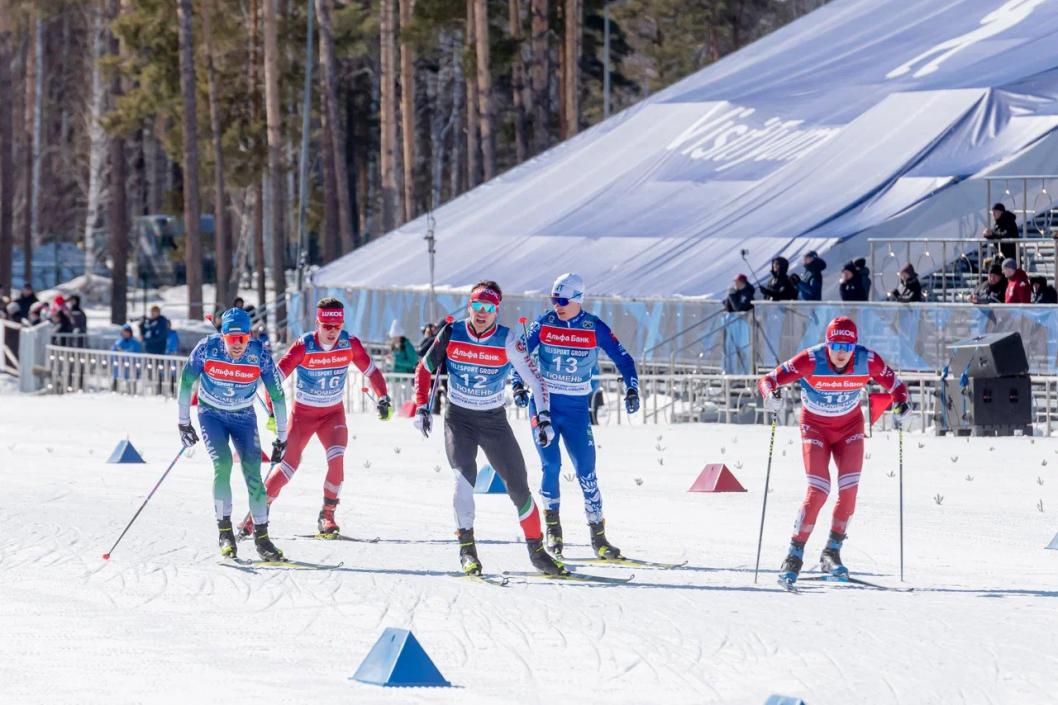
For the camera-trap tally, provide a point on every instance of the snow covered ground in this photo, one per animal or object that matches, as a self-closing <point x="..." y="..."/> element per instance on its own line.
<point x="163" y="622"/>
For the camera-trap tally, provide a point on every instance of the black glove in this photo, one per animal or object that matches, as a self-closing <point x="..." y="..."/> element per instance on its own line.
<point x="521" y="395"/>
<point x="187" y="435"/>
<point x="278" y="448"/>
<point x="385" y="408"/>
<point x="632" y="400"/>
<point x="542" y="429"/>
<point x="424" y="420"/>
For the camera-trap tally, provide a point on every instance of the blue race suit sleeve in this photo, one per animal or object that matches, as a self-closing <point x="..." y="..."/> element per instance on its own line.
<point x="609" y="343"/>
<point x="531" y="344"/>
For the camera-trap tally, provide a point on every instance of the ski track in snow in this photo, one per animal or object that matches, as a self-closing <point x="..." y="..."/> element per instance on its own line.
<point x="163" y="621"/>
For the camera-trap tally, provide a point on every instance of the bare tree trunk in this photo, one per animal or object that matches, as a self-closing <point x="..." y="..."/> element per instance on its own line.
<point x="117" y="211"/>
<point x="336" y="143"/>
<point x="274" y="118"/>
<point x="221" y="230"/>
<point x="353" y="158"/>
<point x="7" y="138"/>
<point x="521" y="138"/>
<point x="192" y="237"/>
<point x="540" y="73"/>
<point x="473" y="123"/>
<point x="407" y="106"/>
<point x="29" y="221"/>
<point x="258" y="188"/>
<point x="388" y="116"/>
<point x="455" y="119"/>
<point x="571" y="69"/>
<point x="484" y="66"/>
<point x="330" y="244"/>
<point x="97" y="137"/>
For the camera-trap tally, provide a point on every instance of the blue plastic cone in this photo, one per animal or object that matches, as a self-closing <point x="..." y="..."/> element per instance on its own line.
<point x="125" y="453"/>
<point x="1053" y="545"/>
<point x="783" y="700"/>
<point x="397" y="659"/>
<point x="489" y="482"/>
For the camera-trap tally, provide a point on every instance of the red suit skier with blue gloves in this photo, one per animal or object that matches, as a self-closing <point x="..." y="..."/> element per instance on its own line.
<point x="831" y="376"/>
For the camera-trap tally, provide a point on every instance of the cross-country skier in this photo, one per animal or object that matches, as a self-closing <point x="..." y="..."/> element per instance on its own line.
<point x="321" y="359"/>
<point x="569" y="340"/>
<point x="831" y="377"/>
<point x="478" y="354"/>
<point x="228" y="368"/>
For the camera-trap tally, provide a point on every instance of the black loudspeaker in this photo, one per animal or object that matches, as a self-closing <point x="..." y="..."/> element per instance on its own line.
<point x="992" y="355"/>
<point x="986" y="407"/>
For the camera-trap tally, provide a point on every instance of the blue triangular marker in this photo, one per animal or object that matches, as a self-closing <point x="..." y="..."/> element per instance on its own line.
<point x="125" y="453"/>
<point x="397" y="659"/>
<point x="1053" y="545"/>
<point x="489" y="482"/>
<point x="783" y="700"/>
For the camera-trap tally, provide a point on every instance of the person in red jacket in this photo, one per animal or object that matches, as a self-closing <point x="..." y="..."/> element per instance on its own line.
<point x="321" y="361"/>
<point x="831" y="376"/>
<point x="1019" y="290"/>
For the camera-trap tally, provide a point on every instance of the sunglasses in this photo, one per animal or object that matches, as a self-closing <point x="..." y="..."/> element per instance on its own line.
<point x="560" y="300"/>
<point x="331" y="326"/>
<point x="483" y="306"/>
<point x="842" y="347"/>
<point x="236" y="338"/>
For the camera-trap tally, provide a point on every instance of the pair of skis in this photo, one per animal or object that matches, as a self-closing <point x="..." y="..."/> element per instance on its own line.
<point x="842" y="580"/>
<point x="503" y="579"/>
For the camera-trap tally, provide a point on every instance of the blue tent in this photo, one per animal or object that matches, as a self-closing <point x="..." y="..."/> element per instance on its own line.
<point x="863" y="118"/>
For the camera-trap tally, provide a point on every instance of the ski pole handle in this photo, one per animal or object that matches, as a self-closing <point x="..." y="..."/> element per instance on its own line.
<point x="106" y="556"/>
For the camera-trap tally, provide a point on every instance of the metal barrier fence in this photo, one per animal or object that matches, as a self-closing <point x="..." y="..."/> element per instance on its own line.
<point x="9" y="333"/>
<point x="696" y="397"/>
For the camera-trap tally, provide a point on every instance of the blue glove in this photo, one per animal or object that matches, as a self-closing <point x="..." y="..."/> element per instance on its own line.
<point x="521" y="395"/>
<point x="632" y="400"/>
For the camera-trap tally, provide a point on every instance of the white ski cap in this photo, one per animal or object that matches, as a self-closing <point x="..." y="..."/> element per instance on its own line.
<point x="569" y="286"/>
<point x="396" y="330"/>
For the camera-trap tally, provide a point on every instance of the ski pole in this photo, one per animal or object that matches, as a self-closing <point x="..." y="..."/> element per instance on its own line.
<point x="106" y="556"/>
<point x="370" y="396"/>
<point x="764" y="504"/>
<point x="435" y="385"/>
<point x="900" y="455"/>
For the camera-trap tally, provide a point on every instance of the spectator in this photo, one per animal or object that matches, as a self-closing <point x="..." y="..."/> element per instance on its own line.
<point x="261" y="333"/>
<point x="910" y="289"/>
<point x="779" y="287"/>
<point x="1042" y="292"/>
<point x="172" y="343"/>
<point x="993" y="289"/>
<point x="429" y="332"/>
<point x="36" y="313"/>
<point x="26" y="300"/>
<point x="5" y="301"/>
<point x="740" y="295"/>
<point x="1018" y="291"/>
<point x="1005" y="228"/>
<point x="851" y="287"/>
<point x="811" y="287"/>
<point x="79" y="321"/>
<point x="405" y="357"/>
<point x="238" y="303"/>
<point x="14" y="312"/>
<point x="865" y="275"/>
<point x="122" y="363"/>
<point x="155" y="331"/>
<point x="63" y="332"/>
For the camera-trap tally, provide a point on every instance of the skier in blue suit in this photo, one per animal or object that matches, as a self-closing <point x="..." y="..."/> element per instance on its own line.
<point x="568" y="340"/>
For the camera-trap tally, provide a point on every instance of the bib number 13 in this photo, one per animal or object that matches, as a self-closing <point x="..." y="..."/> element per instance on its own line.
<point x="566" y="364"/>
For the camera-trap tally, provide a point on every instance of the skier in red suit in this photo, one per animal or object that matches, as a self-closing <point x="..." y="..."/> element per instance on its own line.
<point x="831" y="376"/>
<point x="321" y="362"/>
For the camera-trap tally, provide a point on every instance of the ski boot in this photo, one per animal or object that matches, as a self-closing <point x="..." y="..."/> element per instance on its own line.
<point x="468" y="552"/>
<point x="246" y="527"/>
<point x="554" y="532"/>
<point x="325" y="525"/>
<point x="791" y="567"/>
<point x="830" y="559"/>
<point x="265" y="548"/>
<point x="599" y="545"/>
<point x="227" y="538"/>
<point x="542" y="560"/>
